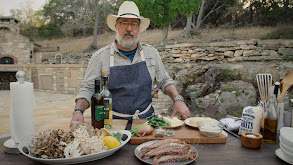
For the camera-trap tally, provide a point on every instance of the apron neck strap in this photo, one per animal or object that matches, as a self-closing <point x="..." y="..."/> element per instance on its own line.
<point x="112" y="55"/>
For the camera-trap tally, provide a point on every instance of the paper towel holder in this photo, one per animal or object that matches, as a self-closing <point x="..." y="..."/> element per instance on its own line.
<point x="10" y="146"/>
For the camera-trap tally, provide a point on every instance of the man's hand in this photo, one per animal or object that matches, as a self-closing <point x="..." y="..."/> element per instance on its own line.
<point x="81" y="104"/>
<point x="77" y="116"/>
<point x="181" y="108"/>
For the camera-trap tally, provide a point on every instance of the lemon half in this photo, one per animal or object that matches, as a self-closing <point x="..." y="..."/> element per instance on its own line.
<point x="111" y="142"/>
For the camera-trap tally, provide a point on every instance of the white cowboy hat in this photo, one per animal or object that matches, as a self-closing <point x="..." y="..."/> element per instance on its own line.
<point x="128" y="9"/>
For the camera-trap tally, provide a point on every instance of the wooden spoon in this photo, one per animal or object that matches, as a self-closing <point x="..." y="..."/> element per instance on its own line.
<point x="286" y="84"/>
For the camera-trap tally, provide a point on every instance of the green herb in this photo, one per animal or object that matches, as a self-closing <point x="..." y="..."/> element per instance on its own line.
<point x="169" y="133"/>
<point x="157" y="121"/>
<point x="118" y="136"/>
<point x="135" y="129"/>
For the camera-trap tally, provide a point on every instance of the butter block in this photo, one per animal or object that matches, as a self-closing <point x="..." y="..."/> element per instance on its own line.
<point x="174" y="122"/>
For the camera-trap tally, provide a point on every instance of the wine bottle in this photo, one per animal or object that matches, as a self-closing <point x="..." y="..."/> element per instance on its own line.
<point x="107" y="102"/>
<point x="97" y="107"/>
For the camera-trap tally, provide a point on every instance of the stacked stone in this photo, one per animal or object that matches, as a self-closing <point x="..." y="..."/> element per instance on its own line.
<point x="15" y="46"/>
<point x="244" y="50"/>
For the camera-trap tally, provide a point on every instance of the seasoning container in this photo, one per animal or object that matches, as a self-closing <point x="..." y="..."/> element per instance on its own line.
<point x="251" y="140"/>
<point x="169" y="132"/>
<point x="159" y="132"/>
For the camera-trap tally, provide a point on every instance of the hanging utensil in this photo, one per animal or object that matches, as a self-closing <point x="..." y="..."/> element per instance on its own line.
<point x="212" y="108"/>
<point x="287" y="82"/>
<point x="263" y="83"/>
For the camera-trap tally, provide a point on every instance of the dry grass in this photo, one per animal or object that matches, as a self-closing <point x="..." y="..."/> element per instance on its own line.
<point x="154" y="37"/>
<point x="244" y="33"/>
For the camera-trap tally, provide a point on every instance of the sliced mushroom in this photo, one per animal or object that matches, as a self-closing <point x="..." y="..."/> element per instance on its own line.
<point x="104" y="132"/>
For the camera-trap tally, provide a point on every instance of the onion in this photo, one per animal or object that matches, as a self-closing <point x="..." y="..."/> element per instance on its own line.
<point x="145" y="130"/>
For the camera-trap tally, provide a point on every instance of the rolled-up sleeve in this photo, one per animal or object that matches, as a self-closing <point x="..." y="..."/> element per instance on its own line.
<point x="93" y="73"/>
<point x="161" y="75"/>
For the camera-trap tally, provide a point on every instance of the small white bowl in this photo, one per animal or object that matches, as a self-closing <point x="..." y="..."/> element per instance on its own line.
<point x="209" y="129"/>
<point x="286" y="135"/>
<point x="283" y="146"/>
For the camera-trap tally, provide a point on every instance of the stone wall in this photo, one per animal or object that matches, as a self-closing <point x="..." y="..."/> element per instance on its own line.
<point x="57" y="78"/>
<point x="15" y="46"/>
<point x="244" y="50"/>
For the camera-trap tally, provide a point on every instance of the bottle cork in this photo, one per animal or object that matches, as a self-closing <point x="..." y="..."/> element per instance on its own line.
<point x="105" y="73"/>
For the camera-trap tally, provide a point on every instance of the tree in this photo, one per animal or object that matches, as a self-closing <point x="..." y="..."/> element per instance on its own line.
<point x="102" y="9"/>
<point x="163" y="12"/>
<point x="209" y="7"/>
<point x="95" y="35"/>
<point x="29" y="20"/>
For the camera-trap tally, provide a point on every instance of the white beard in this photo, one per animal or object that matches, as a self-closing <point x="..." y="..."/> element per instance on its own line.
<point x="126" y="43"/>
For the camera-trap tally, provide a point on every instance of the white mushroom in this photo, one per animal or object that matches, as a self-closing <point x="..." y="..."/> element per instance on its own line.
<point x="104" y="132"/>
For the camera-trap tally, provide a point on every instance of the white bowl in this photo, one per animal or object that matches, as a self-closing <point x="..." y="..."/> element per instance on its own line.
<point x="287" y="155"/>
<point x="210" y="129"/>
<point x="283" y="146"/>
<point x="286" y="135"/>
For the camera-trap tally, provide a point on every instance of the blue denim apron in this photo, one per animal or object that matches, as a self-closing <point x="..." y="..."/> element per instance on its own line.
<point x="131" y="88"/>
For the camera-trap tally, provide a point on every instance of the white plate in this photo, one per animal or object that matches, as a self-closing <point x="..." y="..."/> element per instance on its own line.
<point x="280" y="154"/>
<point x="24" y="148"/>
<point x="171" y="127"/>
<point x="138" y="153"/>
<point x="187" y="121"/>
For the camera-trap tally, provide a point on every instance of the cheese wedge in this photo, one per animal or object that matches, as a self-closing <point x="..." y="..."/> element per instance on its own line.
<point x="174" y="122"/>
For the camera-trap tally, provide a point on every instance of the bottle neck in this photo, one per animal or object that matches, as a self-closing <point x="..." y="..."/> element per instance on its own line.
<point x="105" y="83"/>
<point x="97" y="88"/>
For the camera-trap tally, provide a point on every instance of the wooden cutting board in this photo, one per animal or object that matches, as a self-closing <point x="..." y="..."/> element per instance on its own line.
<point x="188" y="134"/>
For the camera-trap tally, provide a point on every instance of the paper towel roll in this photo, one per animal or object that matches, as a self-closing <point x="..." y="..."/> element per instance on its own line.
<point x="21" y="112"/>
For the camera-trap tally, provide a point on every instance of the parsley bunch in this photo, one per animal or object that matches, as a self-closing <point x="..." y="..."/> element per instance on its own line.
<point x="157" y="121"/>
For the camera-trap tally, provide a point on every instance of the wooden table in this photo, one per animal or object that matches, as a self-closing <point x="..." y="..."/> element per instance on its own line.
<point x="231" y="153"/>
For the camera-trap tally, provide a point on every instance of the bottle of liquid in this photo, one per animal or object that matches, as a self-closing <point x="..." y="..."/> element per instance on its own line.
<point x="97" y="107"/>
<point x="270" y="122"/>
<point x="107" y="102"/>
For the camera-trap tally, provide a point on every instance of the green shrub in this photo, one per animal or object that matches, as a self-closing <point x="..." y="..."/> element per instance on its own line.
<point x="187" y="81"/>
<point x="280" y="33"/>
<point x="176" y="69"/>
<point x="199" y="100"/>
<point x="222" y="100"/>
<point x="238" y="93"/>
<point x="194" y="33"/>
<point x="287" y="58"/>
<point x="228" y="89"/>
<point x="228" y="74"/>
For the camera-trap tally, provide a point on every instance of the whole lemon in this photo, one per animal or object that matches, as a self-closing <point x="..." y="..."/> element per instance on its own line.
<point x="110" y="142"/>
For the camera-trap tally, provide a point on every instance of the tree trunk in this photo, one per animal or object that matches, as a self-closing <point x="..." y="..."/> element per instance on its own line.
<point x="165" y="35"/>
<point x="250" y="14"/>
<point x="188" y="26"/>
<point x="94" y="44"/>
<point x="286" y="6"/>
<point x="200" y="15"/>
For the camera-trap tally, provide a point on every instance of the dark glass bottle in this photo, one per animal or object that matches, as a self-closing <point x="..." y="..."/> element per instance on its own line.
<point x="97" y="107"/>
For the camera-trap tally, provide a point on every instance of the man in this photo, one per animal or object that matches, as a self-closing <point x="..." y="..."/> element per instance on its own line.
<point x="132" y="68"/>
